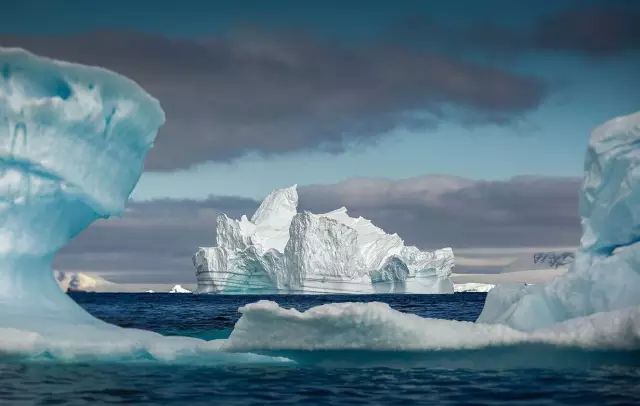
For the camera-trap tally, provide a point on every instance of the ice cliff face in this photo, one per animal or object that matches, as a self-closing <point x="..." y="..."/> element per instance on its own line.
<point x="280" y="250"/>
<point x="606" y="273"/>
<point x="72" y="143"/>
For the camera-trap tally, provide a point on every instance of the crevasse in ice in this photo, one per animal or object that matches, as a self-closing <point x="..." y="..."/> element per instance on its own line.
<point x="282" y="251"/>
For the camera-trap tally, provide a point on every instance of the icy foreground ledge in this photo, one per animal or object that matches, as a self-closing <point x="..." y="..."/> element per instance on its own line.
<point x="376" y="326"/>
<point x="282" y="251"/>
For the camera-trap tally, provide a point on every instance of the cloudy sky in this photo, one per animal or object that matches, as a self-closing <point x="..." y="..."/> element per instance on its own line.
<point x="458" y="124"/>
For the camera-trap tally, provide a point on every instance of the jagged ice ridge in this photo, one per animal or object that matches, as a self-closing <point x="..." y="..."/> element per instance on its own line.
<point x="594" y="305"/>
<point x="283" y="251"/>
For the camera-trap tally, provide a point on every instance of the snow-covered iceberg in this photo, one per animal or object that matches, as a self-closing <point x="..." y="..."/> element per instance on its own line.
<point x="179" y="289"/>
<point x="283" y="251"/>
<point x="595" y="305"/>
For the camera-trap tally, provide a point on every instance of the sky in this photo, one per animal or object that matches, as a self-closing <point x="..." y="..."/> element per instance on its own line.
<point x="370" y="105"/>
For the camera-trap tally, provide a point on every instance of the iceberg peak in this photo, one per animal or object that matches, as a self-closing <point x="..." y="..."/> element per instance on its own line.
<point x="278" y="207"/>
<point x="283" y="250"/>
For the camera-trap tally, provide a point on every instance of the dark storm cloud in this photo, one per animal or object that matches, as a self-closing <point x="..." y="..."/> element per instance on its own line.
<point x="594" y="31"/>
<point x="154" y="240"/>
<point x="433" y="211"/>
<point x="590" y="29"/>
<point x="266" y="92"/>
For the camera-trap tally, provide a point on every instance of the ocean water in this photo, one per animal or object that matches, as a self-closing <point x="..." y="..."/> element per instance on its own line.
<point x="330" y="377"/>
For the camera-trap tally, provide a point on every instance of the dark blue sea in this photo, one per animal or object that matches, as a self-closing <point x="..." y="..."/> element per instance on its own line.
<point x="346" y="379"/>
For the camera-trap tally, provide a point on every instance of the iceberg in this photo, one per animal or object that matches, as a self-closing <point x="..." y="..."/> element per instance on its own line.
<point x="591" y="308"/>
<point x="281" y="250"/>
<point x="376" y="326"/>
<point x="179" y="289"/>
<point x="72" y="143"/>
<point x="605" y="275"/>
<point x="71" y="149"/>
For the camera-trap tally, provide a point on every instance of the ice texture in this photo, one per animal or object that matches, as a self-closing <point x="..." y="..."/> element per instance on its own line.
<point x="64" y="163"/>
<point x="375" y="326"/>
<point x="72" y="143"/>
<point x="282" y="251"/>
<point x="593" y="306"/>
<point x="606" y="273"/>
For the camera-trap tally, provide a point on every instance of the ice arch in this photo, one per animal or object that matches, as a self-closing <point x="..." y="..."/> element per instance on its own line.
<point x="72" y="143"/>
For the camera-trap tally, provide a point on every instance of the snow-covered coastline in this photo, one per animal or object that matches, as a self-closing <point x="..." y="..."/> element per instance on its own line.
<point x="472" y="287"/>
<point x="70" y="281"/>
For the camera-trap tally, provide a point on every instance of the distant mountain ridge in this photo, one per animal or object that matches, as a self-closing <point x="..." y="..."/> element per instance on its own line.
<point x="554" y="259"/>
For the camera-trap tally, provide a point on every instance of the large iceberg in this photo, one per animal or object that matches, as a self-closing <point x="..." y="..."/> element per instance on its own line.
<point x="72" y="143"/>
<point x="595" y="305"/>
<point x="283" y="251"/>
<point x="606" y="273"/>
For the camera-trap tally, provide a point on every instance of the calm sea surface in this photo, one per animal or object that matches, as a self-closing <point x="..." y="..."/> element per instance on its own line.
<point x="346" y="378"/>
